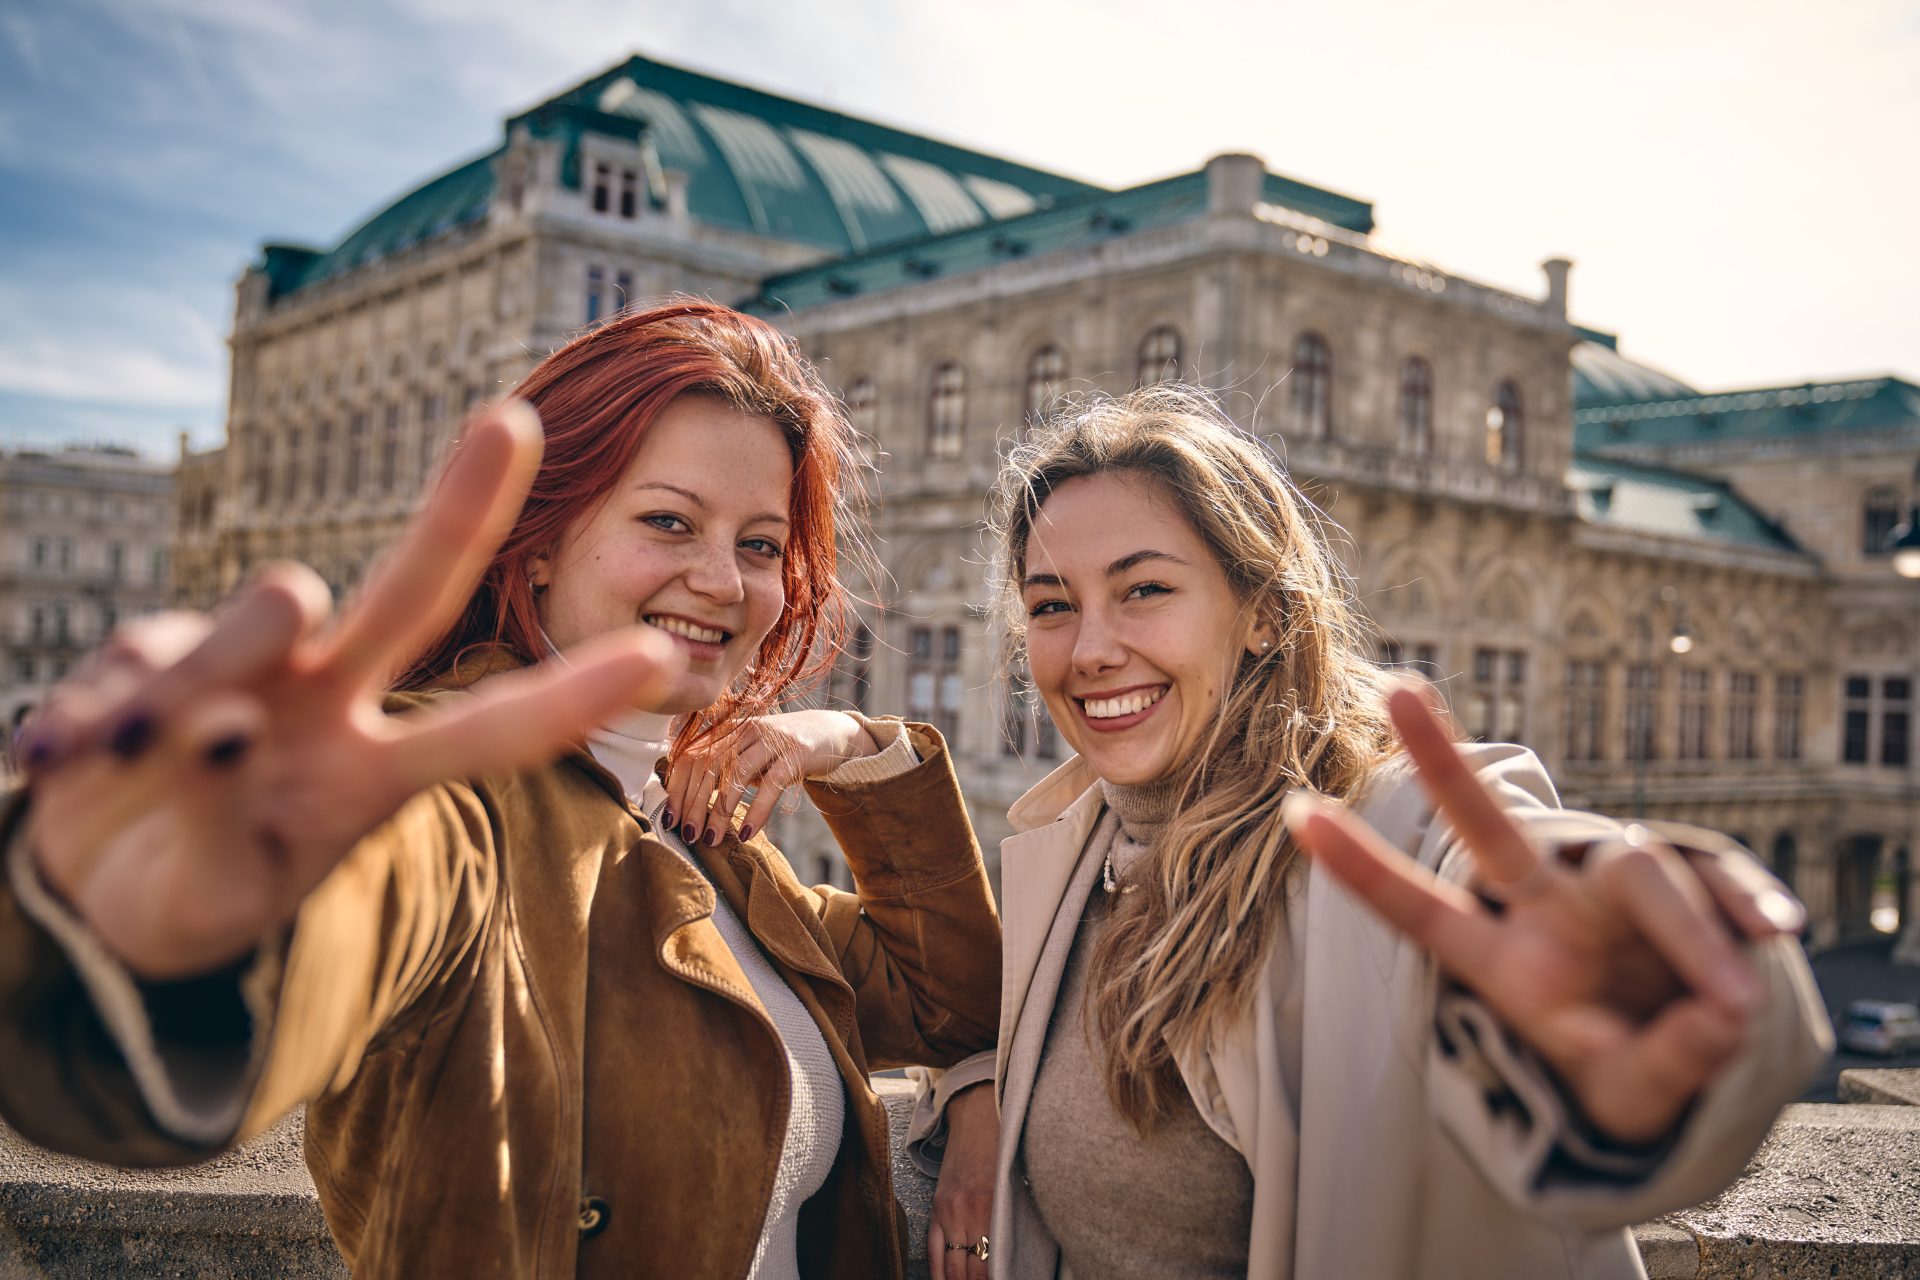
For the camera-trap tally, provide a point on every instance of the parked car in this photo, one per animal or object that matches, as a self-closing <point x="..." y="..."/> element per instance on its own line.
<point x="1880" y="1027"/>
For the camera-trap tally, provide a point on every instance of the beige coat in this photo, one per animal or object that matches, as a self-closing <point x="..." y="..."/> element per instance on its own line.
<point x="1411" y="1153"/>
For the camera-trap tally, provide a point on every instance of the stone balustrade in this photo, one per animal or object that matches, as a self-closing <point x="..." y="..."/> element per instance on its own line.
<point x="1834" y="1193"/>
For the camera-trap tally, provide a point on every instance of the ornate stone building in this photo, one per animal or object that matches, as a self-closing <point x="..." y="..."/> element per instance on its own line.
<point x="84" y="539"/>
<point x="1656" y="624"/>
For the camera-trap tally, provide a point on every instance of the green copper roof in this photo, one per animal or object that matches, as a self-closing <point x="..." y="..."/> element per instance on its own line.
<point x="754" y="161"/>
<point x="1069" y="224"/>
<point x="1602" y="376"/>
<point x="455" y="198"/>
<point x="771" y="165"/>
<point x="1656" y="500"/>
<point x="1811" y="408"/>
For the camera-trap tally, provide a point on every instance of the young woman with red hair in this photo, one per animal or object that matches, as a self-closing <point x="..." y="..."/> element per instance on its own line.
<point x="554" y="1008"/>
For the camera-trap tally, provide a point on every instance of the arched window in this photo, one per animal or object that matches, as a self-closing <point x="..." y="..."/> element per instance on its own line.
<point x="947" y="411"/>
<point x="1046" y="372"/>
<point x="1878" y="516"/>
<point x="1310" y="403"/>
<point x="1506" y="428"/>
<point x="1416" y="406"/>
<point x="863" y="406"/>
<point x="1159" y="356"/>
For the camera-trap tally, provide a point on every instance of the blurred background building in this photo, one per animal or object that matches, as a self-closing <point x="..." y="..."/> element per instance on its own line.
<point x="84" y="545"/>
<point x="1677" y="597"/>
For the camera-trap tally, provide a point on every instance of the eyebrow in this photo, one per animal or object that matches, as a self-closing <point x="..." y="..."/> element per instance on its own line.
<point x="701" y="502"/>
<point x="1132" y="560"/>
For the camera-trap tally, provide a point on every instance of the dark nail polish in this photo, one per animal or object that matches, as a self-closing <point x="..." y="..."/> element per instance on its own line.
<point x="688" y="835"/>
<point x="133" y="736"/>
<point x="227" y="750"/>
<point x="667" y="819"/>
<point x="713" y="836"/>
<point x="746" y="833"/>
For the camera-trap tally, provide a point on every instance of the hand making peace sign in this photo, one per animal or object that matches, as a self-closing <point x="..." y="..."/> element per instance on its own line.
<point x="1621" y="972"/>
<point x="203" y="773"/>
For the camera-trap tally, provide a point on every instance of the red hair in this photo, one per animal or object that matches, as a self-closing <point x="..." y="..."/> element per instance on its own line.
<point x="596" y="398"/>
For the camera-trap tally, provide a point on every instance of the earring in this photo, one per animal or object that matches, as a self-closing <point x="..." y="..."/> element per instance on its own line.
<point x="1265" y="645"/>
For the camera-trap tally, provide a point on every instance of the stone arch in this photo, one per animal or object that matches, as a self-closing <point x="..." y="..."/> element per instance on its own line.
<point x="1879" y="638"/>
<point x="1856" y="861"/>
<point x="1502" y="599"/>
<point x="1407" y="583"/>
<point x="1588" y="619"/>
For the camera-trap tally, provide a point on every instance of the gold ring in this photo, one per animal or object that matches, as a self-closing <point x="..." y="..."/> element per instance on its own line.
<point x="978" y="1248"/>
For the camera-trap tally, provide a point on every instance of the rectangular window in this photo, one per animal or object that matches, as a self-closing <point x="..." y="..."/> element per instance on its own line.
<point x="1496" y="702"/>
<point x="322" y="459"/>
<point x="1586" y="709"/>
<point x="602" y="189"/>
<point x="356" y="453"/>
<point x="1788" y="694"/>
<point x="116" y="561"/>
<point x="596" y="287"/>
<point x="23" y="668"/>
<point x="629" y="193"/>
<point x="1642" y="718"/>
<point x="1694" y="710"/>
<point x="39" y="553"/>
<point x="1743" y="698"/>
<point x="1853" y="742"/>
<point x="61" y="632"/>
<point x="1895" y="720"/>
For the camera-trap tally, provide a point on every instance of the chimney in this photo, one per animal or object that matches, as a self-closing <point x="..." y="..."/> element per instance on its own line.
<point x="1234" y="183"/>
<point x="1557" y="269"/>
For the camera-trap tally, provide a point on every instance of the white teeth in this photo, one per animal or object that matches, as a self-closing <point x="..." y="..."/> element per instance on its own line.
<point x="1124" y="705"/>
<point x="681" y="627"/>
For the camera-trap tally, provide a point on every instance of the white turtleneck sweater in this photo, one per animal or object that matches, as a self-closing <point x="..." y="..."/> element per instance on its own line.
<point x="630" y="748"/>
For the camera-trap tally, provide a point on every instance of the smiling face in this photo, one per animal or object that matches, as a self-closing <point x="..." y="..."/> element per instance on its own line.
<point x="1133" y="631"/>
<point x="690" y="541"/>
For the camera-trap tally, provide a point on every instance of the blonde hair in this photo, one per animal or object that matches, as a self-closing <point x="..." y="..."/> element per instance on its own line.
<point x="1177" y="964"/>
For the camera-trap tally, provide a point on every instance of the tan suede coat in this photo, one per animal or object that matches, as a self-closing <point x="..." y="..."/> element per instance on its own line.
<point x="436" y="1004"/>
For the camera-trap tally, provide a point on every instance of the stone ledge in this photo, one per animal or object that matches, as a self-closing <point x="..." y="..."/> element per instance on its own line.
<point x="1834" y="1192"/>
<point x="1892" y="1086"/>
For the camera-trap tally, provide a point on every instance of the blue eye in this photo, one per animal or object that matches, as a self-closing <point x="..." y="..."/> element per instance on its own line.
<point x="765" y="547"/>
<point x="665" y="523"/>
<point x="1047" y="607"/>
<point x="1145" y="589"/>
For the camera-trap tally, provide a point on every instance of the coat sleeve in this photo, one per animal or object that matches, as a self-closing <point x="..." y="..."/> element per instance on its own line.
<point x="1503" y="1107"/>
<point x="102" y="1065"/>
<point x="919" y="938"/>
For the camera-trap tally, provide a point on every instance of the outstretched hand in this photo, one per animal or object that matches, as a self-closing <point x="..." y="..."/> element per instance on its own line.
<point x="1622" y="972"/>
<point x="203" y="773"/>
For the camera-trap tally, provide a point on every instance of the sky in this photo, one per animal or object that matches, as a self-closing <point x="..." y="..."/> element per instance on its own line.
<point x="1735" y="181"/>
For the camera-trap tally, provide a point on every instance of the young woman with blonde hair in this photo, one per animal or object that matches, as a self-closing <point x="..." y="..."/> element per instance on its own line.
<point x="553" y="1011"/>
<point x="1474" y="1035"/>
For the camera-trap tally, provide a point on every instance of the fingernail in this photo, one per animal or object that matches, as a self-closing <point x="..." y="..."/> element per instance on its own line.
<point x="746" y="833"/>
<point x="667" y="819"/>
<point x="227" y="750"/>
<point x="688" y="835"/>
<point x="132" y="737"/>
<point x="1783" y="912"/>
<point x="713" y="836"/>
<point x="1297" y="808"/>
